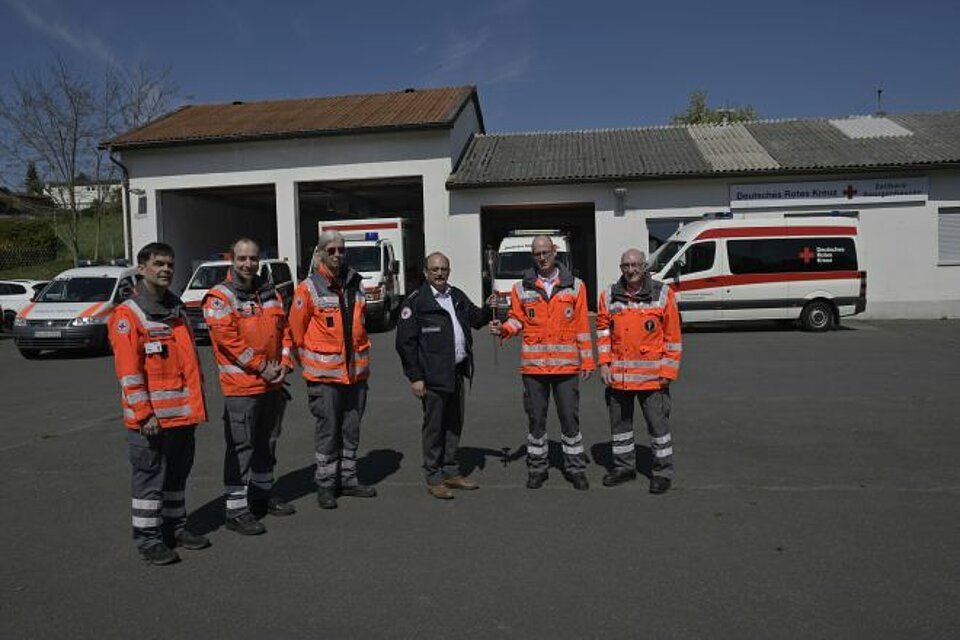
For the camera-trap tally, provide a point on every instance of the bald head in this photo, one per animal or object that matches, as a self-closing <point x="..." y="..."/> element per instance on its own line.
<point x="633" y="266"/>
<point x="544" y="255"/>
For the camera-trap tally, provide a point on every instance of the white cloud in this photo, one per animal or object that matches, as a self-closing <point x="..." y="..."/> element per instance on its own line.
<point x="54" y="27"/>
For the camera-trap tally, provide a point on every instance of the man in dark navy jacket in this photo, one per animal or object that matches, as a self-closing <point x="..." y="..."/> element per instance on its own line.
<point x="435" y="344"/>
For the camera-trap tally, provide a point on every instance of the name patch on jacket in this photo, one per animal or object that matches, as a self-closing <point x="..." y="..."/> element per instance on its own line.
<point x="430" y="330"/>
<point x="531" y="313"/>
<point x="329" y="320"/>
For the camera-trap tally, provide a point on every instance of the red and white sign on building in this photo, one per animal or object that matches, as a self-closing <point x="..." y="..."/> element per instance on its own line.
<point x="834" y="192"/>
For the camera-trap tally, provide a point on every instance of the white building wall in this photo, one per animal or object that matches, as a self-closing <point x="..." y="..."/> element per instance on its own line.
<point x="898" y="242"/>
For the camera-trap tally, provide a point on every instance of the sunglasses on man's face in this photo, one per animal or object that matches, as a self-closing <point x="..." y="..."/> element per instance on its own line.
<point x="334" y="250"/>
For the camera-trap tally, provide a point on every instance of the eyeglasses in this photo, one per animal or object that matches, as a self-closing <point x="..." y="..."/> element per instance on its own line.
<point x="333" y="250"/>
<point x="439" y="269"/>
<point x="633" y="265"/>
<point x="542" y="254"/>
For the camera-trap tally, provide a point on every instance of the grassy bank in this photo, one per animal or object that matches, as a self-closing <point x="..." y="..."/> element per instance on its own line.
<point x="111" y="246"/>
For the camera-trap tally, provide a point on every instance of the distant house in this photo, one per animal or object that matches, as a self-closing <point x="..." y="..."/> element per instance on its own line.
<point x="85" y="195"/>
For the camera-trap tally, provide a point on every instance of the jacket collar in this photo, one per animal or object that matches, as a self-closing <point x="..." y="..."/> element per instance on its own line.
<point x="530" y="277"/>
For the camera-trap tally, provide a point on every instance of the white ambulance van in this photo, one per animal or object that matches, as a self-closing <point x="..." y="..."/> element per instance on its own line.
<point x="71" y="312"/>
<point x="791" y="268"/>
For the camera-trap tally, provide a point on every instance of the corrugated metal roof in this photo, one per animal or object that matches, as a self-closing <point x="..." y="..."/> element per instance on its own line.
<point x="731" y="148"/>
<point x="705" y="150"/>
<point x="870" y="127"/>
<point x="409" y="109"/>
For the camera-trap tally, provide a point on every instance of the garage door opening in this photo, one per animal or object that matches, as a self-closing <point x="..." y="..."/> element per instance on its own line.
<point x="400" y="197"/>
<point x="576" y="220"/>
<point x="201" y="224"/>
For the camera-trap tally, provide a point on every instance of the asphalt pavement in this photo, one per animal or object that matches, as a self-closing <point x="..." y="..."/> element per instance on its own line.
<point x="817" y="494"/>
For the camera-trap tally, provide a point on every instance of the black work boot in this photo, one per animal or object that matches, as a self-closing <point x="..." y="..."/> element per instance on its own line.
<point x="192" y="541"/>
<point x="579" y="481"/>
<point x="245" y="524"/>
<point x="326" y="498"/>
<point x="358" y="491"/>
<point x="536" y="480"/>
<point x="159" y="554"/>
<point x="659" y="484"/>
<point x="272" y="506"/>
<point x="618" y="476"/>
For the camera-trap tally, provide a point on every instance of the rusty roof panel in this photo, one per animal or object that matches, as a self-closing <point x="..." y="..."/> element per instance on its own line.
<point x="410" y="109"/>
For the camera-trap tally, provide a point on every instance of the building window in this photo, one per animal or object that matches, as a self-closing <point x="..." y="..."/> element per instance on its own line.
<point x="142" y="205"/>
<point x="948" y="236"/>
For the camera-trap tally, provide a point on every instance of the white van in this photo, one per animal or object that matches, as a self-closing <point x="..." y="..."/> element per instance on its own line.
<point x="209" y="274"/>
<point x="791" y="268"/>
<point x="72" y="311"/>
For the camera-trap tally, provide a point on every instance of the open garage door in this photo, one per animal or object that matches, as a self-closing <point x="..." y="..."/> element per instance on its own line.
<point x="201" y="224"/>
<point x="330" y="200"/>
<point x="576" y="220"/>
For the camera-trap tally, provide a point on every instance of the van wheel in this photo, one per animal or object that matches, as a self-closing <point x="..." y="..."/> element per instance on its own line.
<point x="30" y="354"/>
<point x="8" y="318"/>
<point x="817" y="316"/>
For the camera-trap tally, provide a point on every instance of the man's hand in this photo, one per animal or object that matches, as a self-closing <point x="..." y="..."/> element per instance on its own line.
<point x="585" y="374"/>
<point x="665" y="382"/>
<point x="605" y="374"/>
<point x="491" y="301"/>
<point x="271" y="370"/>
<point x="284" y="371"/>
<point x="418" y="389"/>
<point x="496" y="327"/>
<point x="151" y="427"/>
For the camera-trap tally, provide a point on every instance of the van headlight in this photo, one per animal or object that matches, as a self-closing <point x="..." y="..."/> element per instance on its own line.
<point x="87" y="321"/>
<point x="19" y="322"/>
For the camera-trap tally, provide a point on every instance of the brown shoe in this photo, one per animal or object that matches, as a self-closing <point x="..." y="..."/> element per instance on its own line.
<point x="459" y="482"/>
<point x="440" y="491"/>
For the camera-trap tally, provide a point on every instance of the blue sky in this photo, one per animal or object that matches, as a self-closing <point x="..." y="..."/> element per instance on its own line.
<point x="539" y="64"/>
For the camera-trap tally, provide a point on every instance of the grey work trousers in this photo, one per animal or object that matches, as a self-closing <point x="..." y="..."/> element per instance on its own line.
<point x="338" y="409"/>
<point x="159" y="468"/>
<point x="655" y="405"/>
<point x="442" y="426"/>
<point x="251" y="427"/>
<point x="536" y="398"/>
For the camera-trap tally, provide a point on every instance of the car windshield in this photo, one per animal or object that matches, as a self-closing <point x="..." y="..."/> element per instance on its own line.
<point x="209" y="277"/>
<point x="78" y="290"/>
<point x="513" y="264"/>
<point x="664" y="254"/>
<point x="365" y="258"/>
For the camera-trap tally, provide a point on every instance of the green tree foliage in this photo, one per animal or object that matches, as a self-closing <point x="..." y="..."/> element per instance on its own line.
<point x="699" y="113"/>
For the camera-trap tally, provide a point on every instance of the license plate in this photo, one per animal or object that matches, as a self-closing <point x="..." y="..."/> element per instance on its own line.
<point x="48" y="334"/>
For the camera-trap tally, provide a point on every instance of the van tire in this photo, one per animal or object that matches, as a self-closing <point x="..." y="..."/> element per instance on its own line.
<point x="817" y="316"/>
<point x="8" y="317"/>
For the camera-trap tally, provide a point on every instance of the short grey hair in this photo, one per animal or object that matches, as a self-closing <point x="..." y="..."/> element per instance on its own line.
<point x="328" y="236"/>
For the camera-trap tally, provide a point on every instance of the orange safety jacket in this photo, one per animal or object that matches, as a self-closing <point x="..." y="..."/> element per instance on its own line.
<point x="158" y="368"/>
<point x="639" y="337"/>
<point x="316" y="323"/>
<point x="556" y="329"/>
<point x="246" y="334"/>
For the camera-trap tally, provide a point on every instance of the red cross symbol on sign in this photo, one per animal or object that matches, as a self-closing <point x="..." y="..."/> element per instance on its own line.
<point x="806" y="255"/>
<point x="849" y="192"/>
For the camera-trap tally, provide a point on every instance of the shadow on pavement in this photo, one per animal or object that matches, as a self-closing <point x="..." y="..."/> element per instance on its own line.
<point x="372" y="469"/>
<point x="473" y="458"/>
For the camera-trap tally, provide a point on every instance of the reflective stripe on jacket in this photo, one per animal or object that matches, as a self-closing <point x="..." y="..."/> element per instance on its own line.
<point x="158" y="369"/>
<point x="246" y="334"/>
<point x="316" y="324"/>
<point x="556" y="329"/>
<point x="640" y="341"/>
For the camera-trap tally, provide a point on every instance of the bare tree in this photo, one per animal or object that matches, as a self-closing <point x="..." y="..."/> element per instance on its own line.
<point x="58" y="118"/>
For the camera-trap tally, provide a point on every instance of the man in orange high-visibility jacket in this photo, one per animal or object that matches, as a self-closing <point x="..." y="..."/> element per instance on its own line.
<point x="327" y="323"/>
<point x="251" y="344"/>
<point x="549" y="305"/>
<point x="162" y="397"/>
<point x="639" y="343"/>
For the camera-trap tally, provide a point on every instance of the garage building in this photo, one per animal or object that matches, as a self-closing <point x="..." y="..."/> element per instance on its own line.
<point x="205" y="174"/>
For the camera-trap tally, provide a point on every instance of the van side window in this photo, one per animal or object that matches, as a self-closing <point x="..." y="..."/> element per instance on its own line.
<point x="699" y="257"/>
<point x="784" y="255"/>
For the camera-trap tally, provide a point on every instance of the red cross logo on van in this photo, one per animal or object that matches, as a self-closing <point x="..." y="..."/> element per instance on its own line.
<point x="807" y="255"/>
<point x="849" y="192"/>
